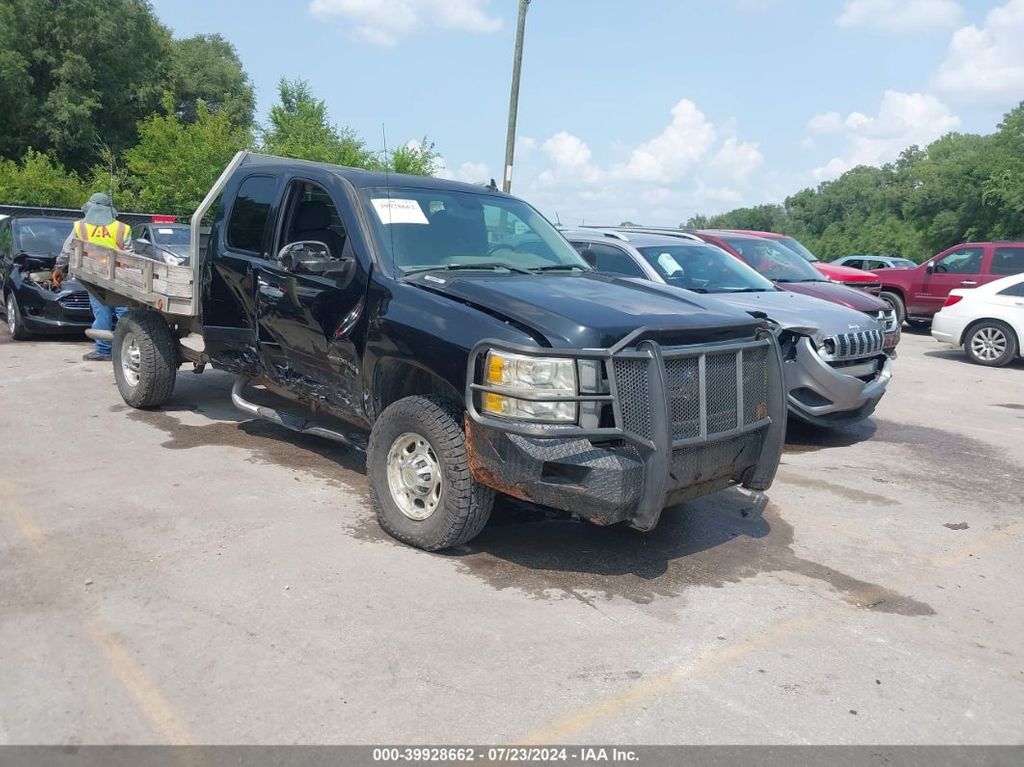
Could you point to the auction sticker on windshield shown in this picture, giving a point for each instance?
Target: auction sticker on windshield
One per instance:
(397, 211)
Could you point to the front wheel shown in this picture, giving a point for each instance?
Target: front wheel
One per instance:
(420, 484)
(145, 357)
(896, 302)
(991, 343)
(15, 322)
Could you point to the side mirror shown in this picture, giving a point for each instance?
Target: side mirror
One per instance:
(312, 257)
(930, 268)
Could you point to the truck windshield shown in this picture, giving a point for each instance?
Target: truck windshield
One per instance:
(704, 269)
(42, 236)
(171, 235)
(798, 247)
(774, 261)
(423, 229)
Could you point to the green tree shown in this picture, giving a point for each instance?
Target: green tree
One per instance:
(39, 179)
(301, 128)
(207, 68)
(417, 158)
(76, 73)
(175, 163)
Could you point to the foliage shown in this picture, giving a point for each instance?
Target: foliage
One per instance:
(301, 128)
(73, 73)
(175, 163)
(207, 68)
(417, 158)
(40, 180)
(958, 188)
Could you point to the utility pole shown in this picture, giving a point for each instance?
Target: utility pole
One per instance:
(513, 101)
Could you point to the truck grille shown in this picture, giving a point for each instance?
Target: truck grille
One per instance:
(874, 288)
(864, 343)
(709, 393)
(77, 301)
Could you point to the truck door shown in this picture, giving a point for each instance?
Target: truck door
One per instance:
(307, 315)
(960, 267)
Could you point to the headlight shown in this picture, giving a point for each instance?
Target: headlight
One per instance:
(519, 375)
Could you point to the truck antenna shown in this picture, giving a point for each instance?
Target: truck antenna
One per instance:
(387, 187)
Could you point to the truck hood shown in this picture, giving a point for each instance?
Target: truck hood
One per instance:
(837, 294)
(844, 273)
(793, 311)
(590, 310)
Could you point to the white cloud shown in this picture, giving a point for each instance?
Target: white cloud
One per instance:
(691, 165)
(901, 15)
(685, 141)
(385, 22)
(986, 65)
(903, 119)
(829, 122)
(470, 172)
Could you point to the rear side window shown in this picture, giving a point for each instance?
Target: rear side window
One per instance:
(612, 260)
(1013, 290)
(1008, 261)
(249, 214)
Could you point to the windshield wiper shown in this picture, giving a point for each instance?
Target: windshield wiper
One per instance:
(557, 268)
(482, 265)
(749, 290)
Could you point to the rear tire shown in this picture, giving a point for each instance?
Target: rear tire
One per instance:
(420, 483)
(896, 302)
(991, 343)
(145, 357)
(15, 322)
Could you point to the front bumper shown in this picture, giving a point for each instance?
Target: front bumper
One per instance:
(825, 395)
(630, 471)
(43, 311)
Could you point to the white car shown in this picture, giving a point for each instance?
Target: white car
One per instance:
(988, 321)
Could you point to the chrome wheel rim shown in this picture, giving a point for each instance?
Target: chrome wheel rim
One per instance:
(131, 359)
(414, 476)
(988, 344)
(12, 315)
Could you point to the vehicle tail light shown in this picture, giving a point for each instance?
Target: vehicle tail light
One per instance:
(950, 300)
(163, 219)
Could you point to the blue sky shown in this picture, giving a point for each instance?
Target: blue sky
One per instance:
(649, 110)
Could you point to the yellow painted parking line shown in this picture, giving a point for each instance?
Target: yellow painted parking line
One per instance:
(563, 730)
(129, 672)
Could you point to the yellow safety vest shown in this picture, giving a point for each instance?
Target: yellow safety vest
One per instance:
(113, 235)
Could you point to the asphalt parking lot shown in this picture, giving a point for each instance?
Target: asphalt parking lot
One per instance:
(187, 576)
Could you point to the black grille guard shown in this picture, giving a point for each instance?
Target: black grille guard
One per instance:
(656, 449)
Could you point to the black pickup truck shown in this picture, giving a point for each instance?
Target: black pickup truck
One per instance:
(456, 326)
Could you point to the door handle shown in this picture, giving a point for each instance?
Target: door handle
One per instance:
(968, 282)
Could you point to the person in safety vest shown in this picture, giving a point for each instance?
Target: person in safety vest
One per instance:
(101, 227)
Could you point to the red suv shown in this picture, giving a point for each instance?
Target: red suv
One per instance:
(917, 294)
(855, 278)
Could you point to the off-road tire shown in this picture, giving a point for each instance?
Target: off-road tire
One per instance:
(158, 359)
(464, 506)
(16, 329)
(896, 302)
(1008, 355)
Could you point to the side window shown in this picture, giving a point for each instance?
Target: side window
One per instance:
(311, 215)
(854, 263)
(1008, 261)
(249, 214)
(1013, 290)
(963, 261)
(613, 260)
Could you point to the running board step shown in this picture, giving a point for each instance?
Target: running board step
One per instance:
(293, 421)
(99, 335)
